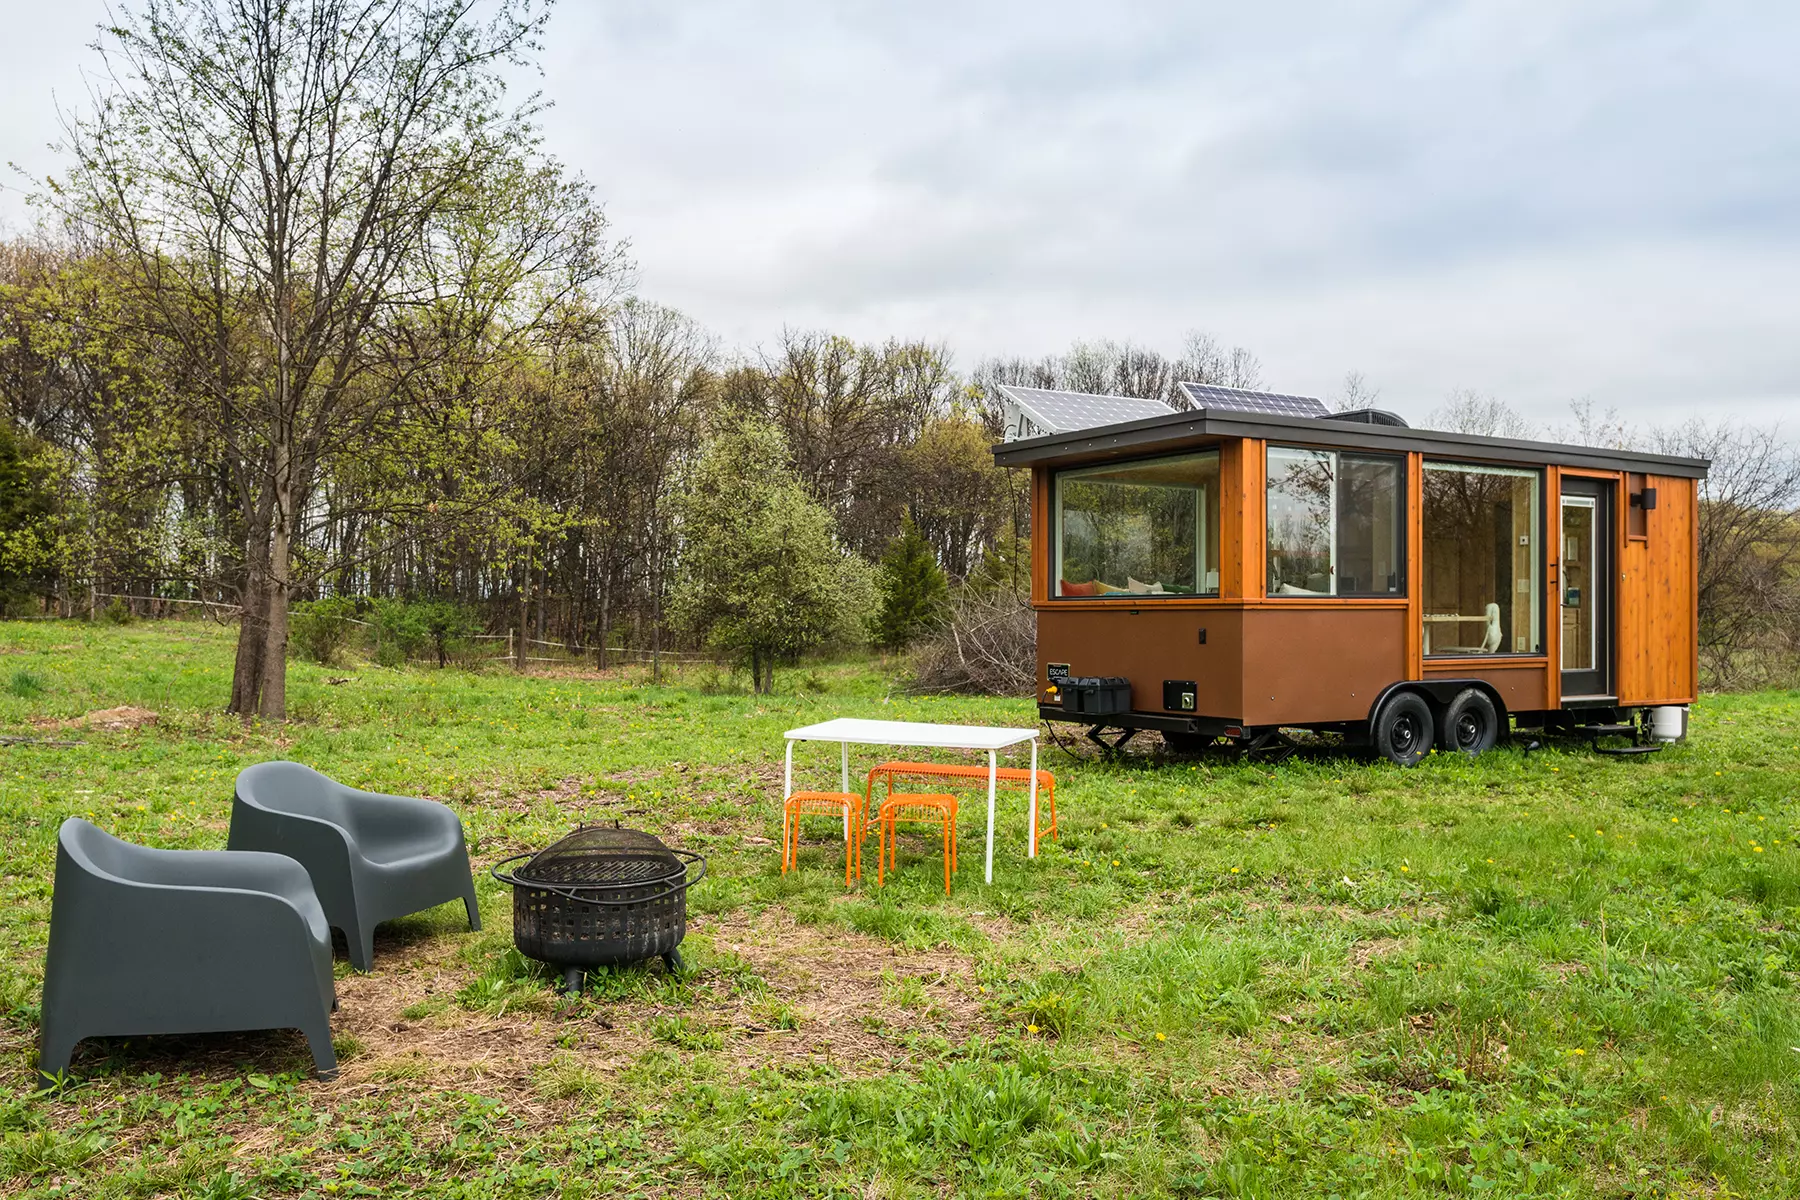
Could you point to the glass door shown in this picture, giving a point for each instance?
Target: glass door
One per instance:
(1584, 573)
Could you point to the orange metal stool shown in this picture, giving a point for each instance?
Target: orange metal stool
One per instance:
(846, 806)
(923, 807)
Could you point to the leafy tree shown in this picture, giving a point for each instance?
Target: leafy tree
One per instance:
(404, 629)
(25, 509)
(316, 207)
(914, 590)
(324, 627)
(761, 575)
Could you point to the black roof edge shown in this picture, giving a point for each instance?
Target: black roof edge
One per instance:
(1133, 438)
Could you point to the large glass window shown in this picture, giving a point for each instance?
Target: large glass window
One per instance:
(1148, 528)
(1480, 564)
(1334, 523)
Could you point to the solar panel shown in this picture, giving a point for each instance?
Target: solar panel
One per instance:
(1035, 412)
(1209, 395)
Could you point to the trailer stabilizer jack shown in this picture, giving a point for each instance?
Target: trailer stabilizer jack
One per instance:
(1112, 747)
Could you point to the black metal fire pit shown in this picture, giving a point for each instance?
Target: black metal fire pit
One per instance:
(601, 897)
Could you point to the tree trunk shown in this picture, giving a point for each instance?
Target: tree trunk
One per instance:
(543, 592)
(272, 702)
(524, 614)
(253, 607)
(605, 615)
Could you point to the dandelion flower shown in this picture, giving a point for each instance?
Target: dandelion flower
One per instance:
(1162, 1037)
(1578, 1050)
(1031, 1029)
(1234, 870)
(1405, 869)
(1490, 860)
(1115, 862)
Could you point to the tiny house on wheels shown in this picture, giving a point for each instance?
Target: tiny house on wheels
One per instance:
(1258, 562)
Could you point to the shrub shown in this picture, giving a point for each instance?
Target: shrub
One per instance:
(320, 629)
(762, 575)
(914, 591)
(408, 629)
(988, 646)
(116, 613)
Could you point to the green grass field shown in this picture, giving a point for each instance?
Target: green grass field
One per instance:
(1556, 975)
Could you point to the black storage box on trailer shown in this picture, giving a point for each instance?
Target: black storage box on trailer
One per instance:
(1097, 695)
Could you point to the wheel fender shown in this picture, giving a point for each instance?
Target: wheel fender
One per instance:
(1438, 693)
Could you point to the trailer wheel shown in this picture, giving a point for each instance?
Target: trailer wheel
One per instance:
(1471, 723)
(1403, 729)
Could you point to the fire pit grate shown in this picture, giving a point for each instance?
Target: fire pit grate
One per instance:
(601, 897)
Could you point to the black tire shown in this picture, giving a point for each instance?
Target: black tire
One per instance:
(1403, 729)
(1471, 724)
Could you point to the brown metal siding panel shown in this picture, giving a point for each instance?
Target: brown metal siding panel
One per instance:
(1523, 687)
(1148, 646)
(1319, 664)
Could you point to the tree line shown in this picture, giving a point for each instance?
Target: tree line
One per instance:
(311, 314)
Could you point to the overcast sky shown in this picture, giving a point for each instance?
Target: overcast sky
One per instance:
(1540, 201)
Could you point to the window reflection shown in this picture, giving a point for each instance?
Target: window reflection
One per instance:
(1148, 528)
(1480, 560)
(1334, 522)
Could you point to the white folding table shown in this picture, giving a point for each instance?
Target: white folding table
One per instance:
(848, 731)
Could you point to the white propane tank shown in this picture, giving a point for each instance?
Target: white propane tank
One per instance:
(1669, 723)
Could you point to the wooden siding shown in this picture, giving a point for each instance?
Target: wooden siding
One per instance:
(1241, 520)
(1658, 585)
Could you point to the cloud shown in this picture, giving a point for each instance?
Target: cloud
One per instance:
(1542, 201)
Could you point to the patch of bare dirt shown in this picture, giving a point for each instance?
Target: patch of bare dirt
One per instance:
(1363, 953)
(853, 1001)
(122, 717)
(115, 719)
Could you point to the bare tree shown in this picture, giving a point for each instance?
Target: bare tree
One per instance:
(1592, 426)
(1466, 410)
(287, 186)
(1749, 545)
(1355, 393)
(1204, 359)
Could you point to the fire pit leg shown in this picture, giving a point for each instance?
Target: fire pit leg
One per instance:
(672, 960)
(573, 980)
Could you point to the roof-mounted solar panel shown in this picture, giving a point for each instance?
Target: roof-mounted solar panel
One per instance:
(1038, 412)
(1215, 397)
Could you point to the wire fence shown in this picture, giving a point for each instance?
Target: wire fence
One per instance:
(567, 653)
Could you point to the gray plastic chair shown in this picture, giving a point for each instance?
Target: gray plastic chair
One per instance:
(371, 857)
(147, 941)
